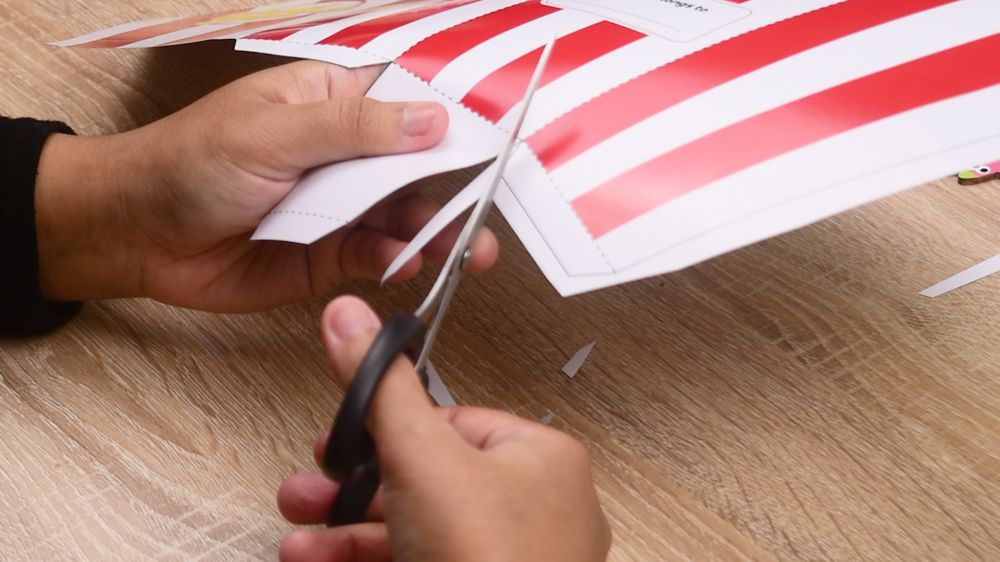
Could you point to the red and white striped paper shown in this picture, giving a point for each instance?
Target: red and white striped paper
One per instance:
(664, 132)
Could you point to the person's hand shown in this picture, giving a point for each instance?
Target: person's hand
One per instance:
(166, 211)
(459, 484)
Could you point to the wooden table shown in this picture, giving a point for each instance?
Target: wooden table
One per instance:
(793, 400)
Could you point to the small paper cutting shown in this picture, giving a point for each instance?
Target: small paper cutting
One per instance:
(971, 275)
(573, 366)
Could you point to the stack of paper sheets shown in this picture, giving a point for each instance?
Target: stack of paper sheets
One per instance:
(665, 132)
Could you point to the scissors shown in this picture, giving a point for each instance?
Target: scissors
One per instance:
(350, 458)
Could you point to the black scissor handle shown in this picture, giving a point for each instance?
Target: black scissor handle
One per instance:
(349, 457)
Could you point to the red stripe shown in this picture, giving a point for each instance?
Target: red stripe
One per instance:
(496, 94)
(359, 35)
(635, 101)
(429, 57)
(931, 79)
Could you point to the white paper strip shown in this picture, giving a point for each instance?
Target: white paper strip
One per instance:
(458, 204)
(333, 54)
(971, 275)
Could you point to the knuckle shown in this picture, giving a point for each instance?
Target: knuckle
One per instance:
(373, 125)
(349, 123)
(569, 450)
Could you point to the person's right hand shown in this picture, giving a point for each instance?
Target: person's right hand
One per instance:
(459, 484)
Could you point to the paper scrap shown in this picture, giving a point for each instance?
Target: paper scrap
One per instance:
(971, 275)
(436, 388)
(573, 366)
(458, 204)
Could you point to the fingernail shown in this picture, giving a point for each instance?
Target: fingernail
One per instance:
(350, 317)
(418, 120)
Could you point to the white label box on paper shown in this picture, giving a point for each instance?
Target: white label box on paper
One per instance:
(677, 20)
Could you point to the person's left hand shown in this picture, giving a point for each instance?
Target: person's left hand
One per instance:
(166, 211)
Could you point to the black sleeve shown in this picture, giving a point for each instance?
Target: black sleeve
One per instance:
(23, 312)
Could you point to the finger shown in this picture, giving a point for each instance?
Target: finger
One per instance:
(357, 253)
(311, 81)
(346, 319)
(319, 446)
(404, 218)
(305, 499)
(402, 419)
(485, 248)
(365, 254)
(342, 129)
(367, 542)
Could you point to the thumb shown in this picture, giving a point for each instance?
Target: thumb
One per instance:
(402, 420)
(314, 134)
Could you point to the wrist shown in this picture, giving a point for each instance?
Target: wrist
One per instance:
(86, 242)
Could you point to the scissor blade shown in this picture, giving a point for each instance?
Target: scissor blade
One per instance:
(436, 304)
(515, 132)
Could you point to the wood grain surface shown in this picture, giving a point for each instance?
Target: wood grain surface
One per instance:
(795, 400)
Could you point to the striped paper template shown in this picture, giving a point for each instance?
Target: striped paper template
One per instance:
(665, 132)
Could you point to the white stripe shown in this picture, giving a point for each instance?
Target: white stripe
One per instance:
(315, 34)
(111, 31)
(817, 170)
(477, 63)
(333, 54)
(179, 35)
(801, 75)
(393, 44)
(631, 61)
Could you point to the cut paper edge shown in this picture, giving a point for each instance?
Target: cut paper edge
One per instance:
(576, 362)
(333, 54)
(971, 275)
